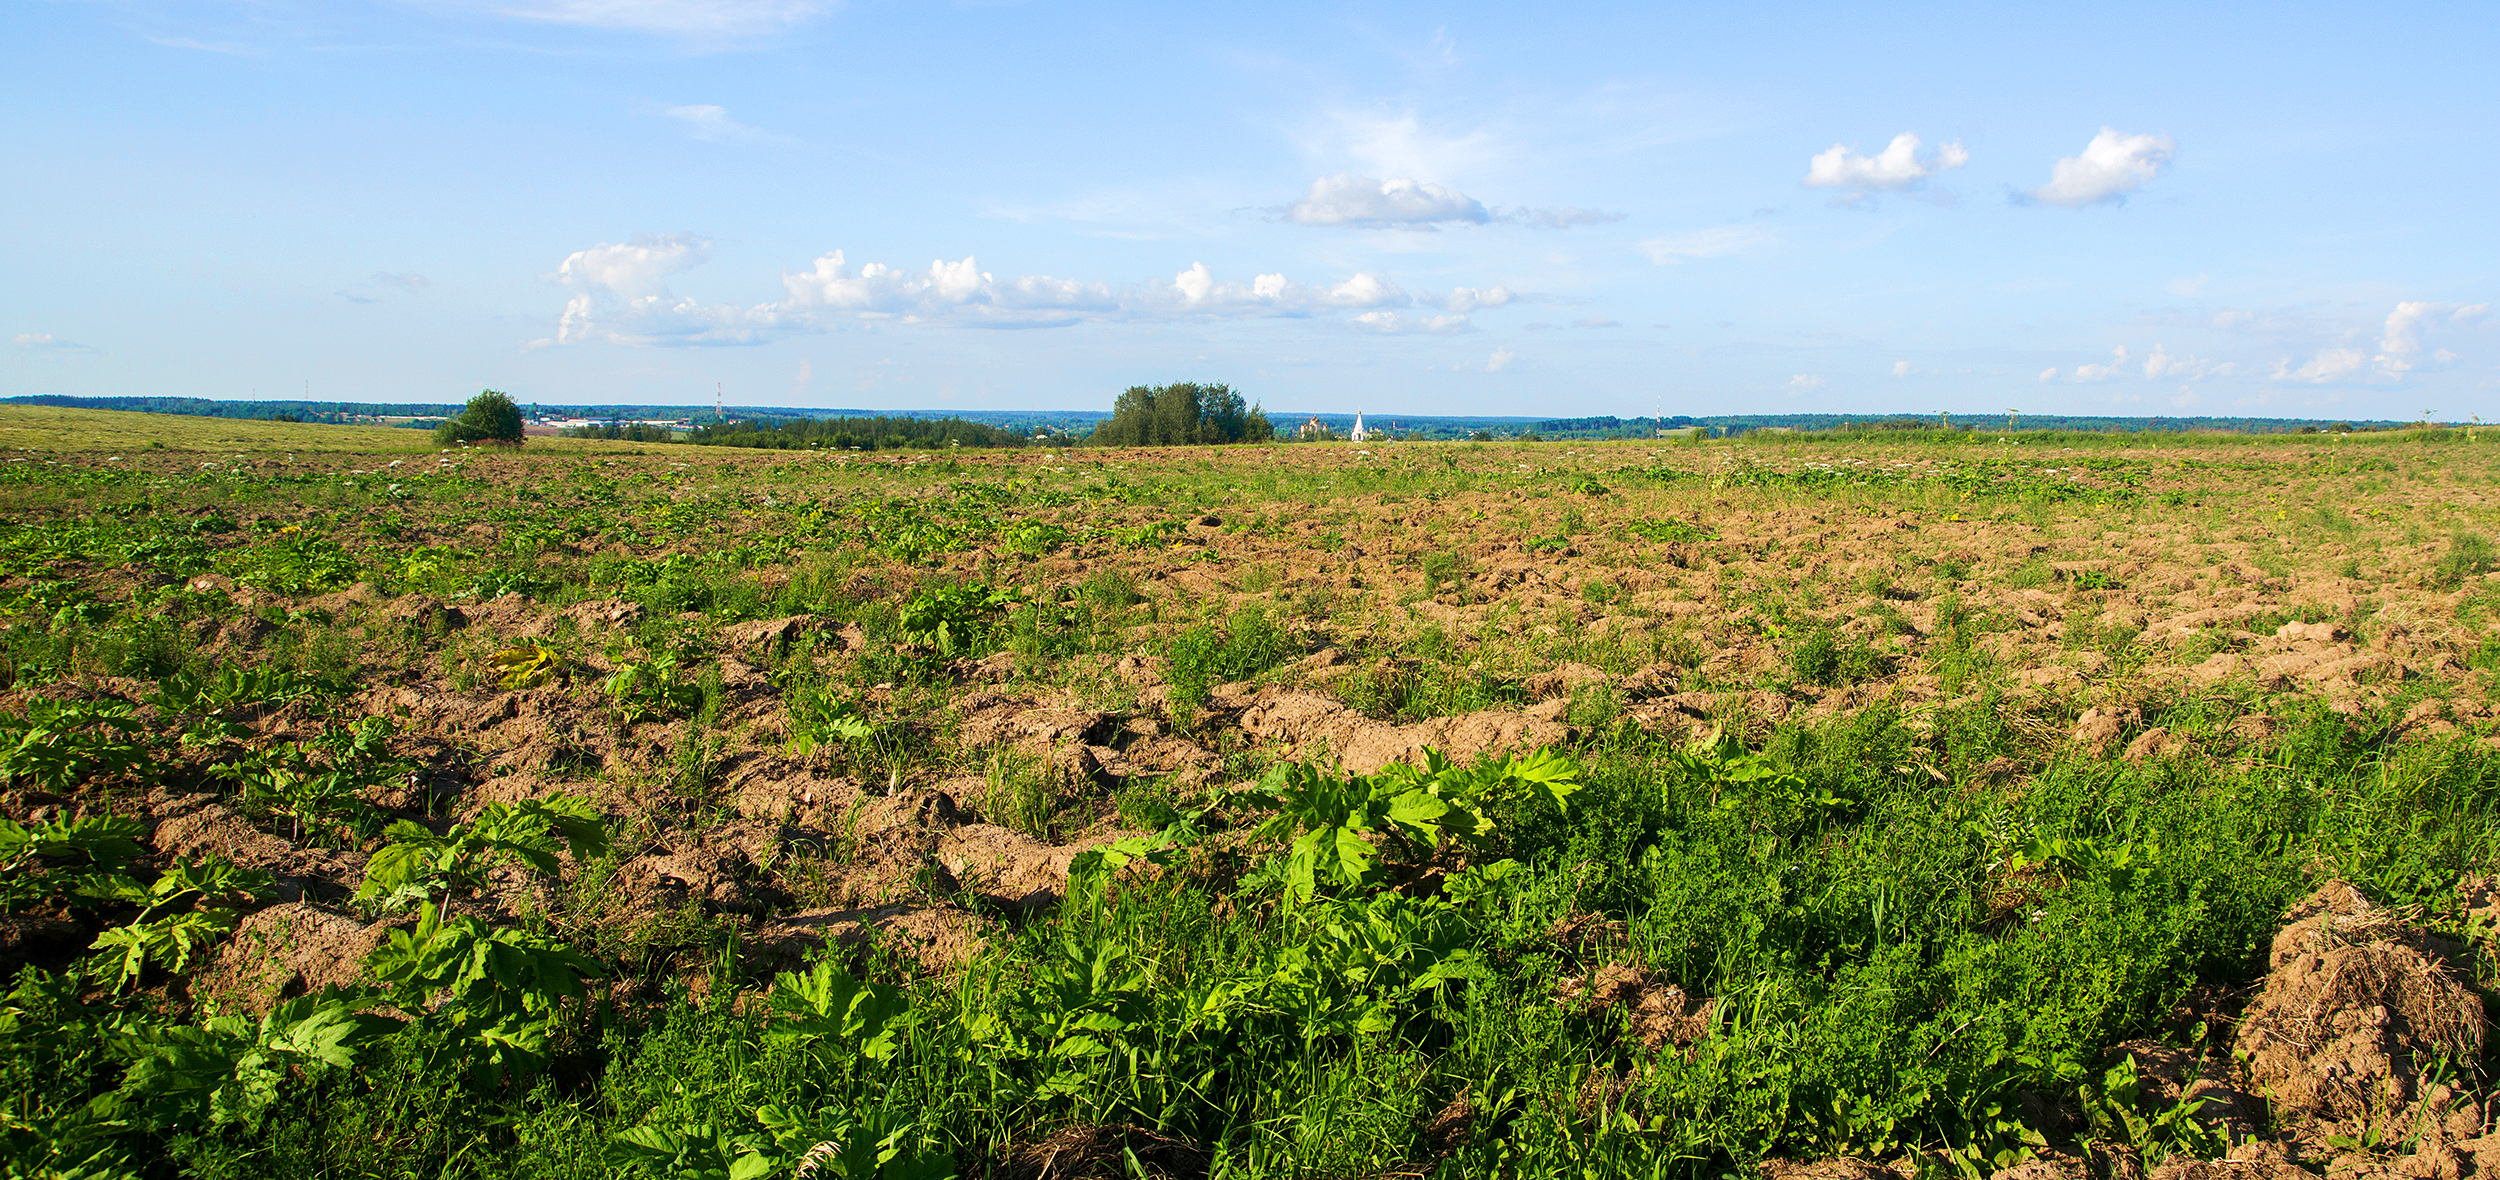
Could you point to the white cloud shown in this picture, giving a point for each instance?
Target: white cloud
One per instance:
(2111, 167)
(1467, 299)
(2158, 365)
(619, 294)
(2401, 340)
(2188, 286)
(1895, 168)
(2330, 365)
(1901, 368)
(1500, 360)
(1361, 201)
(712, 124)
(2107, 372)
(1801, 382)
(47, 342)
(2163, 366)
(1596, 322)
(681, 18)
(1706, 243)
(634, 269)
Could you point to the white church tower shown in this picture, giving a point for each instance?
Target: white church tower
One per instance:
(1359, 434)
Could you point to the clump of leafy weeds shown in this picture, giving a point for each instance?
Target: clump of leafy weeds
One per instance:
(1203, 656)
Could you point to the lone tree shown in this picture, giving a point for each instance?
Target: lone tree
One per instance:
(490, 418)
(1181, 414)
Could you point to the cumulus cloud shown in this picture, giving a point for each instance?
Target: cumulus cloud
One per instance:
(1801, 382)
(712, 124)
(2349, 359)
(1902, 368)
(1361, 202)
(47, 342)
(1895, 168)
(1467, 299)
(2401, 340)
(705, 19)
(1500, 360)
(2111, 166)
(2330, 365)
(619, 293)
(1706, 243)
(2111, 371)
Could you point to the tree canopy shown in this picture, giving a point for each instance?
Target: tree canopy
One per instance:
(489, 417)
(1181, 414)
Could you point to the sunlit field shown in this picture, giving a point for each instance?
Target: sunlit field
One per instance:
(1826, 805)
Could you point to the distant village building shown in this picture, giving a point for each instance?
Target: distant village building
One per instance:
(1311, 429)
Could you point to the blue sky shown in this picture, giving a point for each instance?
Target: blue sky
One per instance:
(2280, 210)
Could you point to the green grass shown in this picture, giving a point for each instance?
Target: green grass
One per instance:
(1881, 977)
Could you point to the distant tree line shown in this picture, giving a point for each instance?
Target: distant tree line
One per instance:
(843, 434)
(641, 432)
(1184, 413)
(269, 411)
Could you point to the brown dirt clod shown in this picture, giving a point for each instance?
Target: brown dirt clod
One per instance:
(1091, 1151)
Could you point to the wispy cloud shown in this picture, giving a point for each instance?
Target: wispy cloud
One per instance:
(1707, 243)
(697, 19)
(47, 342)
(383, 282)
(712, 124)
(228, 48)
